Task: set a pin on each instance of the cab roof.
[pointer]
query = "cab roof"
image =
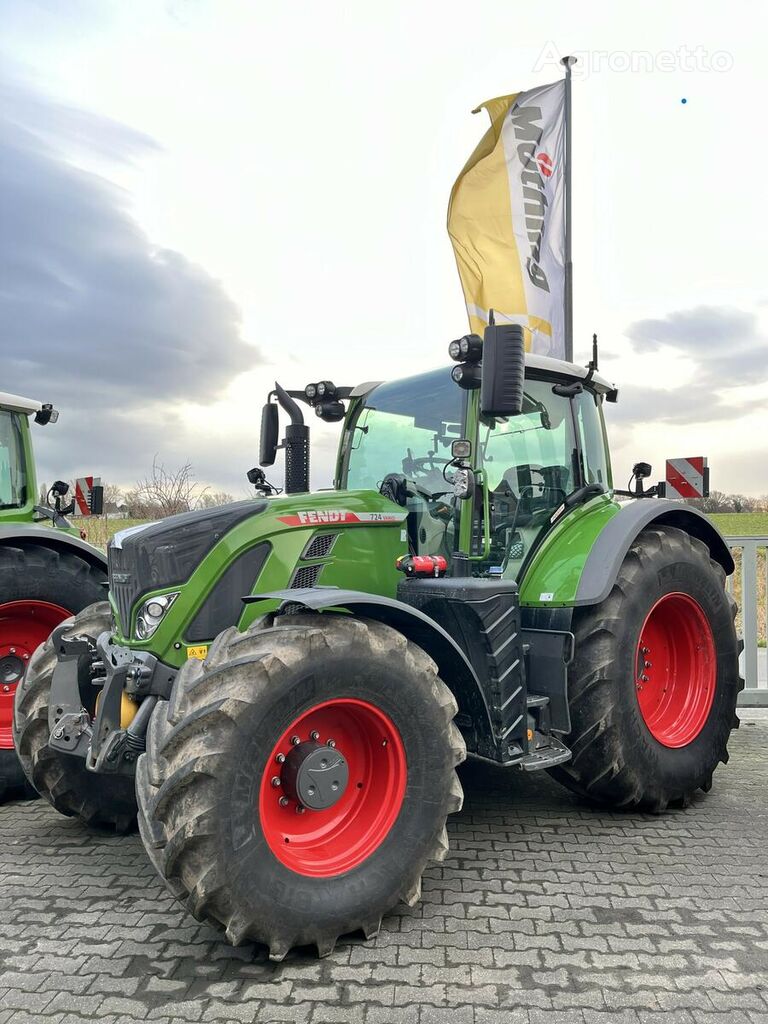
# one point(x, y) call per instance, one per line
point(18, 404)
point(560, 366)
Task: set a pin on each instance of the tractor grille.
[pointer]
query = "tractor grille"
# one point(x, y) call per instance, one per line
point(306, 576)
point(124, 585)
point(320, 547)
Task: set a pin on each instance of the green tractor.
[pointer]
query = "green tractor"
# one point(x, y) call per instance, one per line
point(285, 686)
point(47, 572)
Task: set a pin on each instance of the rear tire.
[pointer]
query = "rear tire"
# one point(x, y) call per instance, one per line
point(39, 588)
point(649, 729)
point(101, 800)
point(209, 809)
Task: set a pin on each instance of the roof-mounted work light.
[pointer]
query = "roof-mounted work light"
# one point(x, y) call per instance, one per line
point(468, 349)
point(466, 375)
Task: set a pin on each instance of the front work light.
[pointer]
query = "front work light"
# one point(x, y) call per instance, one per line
point(466, 375)
point(461, 449)
point(152, 613)
point(310, 391)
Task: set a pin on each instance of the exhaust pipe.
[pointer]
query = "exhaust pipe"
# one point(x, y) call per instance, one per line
point(296, 445)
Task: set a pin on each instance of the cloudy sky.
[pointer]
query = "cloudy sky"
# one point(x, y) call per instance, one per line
point(199, 197)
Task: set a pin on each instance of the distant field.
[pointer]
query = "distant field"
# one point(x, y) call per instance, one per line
point(100, 530)
point(742, 524)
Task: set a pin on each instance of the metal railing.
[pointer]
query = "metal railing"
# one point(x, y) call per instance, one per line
point(749, 585)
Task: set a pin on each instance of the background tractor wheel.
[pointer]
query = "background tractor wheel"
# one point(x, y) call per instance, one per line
point(297, 784)
point(64, 781)
point(39, 588)
point(655, 678)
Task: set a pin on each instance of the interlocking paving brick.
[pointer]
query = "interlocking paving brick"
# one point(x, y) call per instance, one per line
point(547, 910)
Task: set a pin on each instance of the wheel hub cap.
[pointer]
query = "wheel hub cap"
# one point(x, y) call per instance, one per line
point(315, 775)
point(11, 669)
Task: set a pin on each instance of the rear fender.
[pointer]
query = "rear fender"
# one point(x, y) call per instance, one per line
point(615, 539)
point(57, 540)
point(474, 717)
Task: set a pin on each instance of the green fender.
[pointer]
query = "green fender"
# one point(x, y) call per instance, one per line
point(578, 561)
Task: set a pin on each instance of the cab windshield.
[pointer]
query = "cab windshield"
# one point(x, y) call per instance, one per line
point(13, 477)
point(406, 427)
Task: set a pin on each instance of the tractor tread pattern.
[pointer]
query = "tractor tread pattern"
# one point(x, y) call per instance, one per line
point(176, 777)
point(595, 706)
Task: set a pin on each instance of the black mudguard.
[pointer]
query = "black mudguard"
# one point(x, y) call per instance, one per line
point(454, 667)
point(604, 561)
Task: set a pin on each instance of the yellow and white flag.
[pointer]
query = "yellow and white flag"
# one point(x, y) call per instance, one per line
point(506, 219)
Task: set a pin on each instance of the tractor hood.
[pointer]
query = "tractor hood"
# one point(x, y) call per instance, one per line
point(211, 558)
point(166, 553)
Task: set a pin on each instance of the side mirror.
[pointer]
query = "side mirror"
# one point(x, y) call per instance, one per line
point(96, 502)
point(503, 373)
point(270, 426)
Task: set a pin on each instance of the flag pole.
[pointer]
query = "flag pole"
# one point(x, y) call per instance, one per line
point(568, 320)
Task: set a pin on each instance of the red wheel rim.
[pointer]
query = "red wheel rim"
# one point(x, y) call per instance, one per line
point(329, 841)
point(24, 625)
point(676, 670)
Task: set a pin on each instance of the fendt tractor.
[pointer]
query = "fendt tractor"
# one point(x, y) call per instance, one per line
point(286, 685)
point(47, 572)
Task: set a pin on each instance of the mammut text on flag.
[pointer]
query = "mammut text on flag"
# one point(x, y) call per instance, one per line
point(506, 219)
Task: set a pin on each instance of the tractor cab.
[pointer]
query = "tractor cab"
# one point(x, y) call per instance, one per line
point(17, 477)
point(524, 467)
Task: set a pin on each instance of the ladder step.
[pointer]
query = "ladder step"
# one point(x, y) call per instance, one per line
point(537, 700)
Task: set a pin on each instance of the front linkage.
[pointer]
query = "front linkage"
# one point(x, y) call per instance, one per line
point(121, 684)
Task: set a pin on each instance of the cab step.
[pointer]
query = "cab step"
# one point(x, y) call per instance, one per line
point(550, 753)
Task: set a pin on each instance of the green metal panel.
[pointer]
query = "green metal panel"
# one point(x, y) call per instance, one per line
point(551, 579)
point(362, 558)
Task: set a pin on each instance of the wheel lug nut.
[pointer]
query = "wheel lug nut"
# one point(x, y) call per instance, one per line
point(648, 664)
point(314, 735)
point(383, 743)
point(644, 678)
point(284, 801)
point(295, 741)
point(280, 758)
point(331, 743)
point(275, 781)
point(299, 809)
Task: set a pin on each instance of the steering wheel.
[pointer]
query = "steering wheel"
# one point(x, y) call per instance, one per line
point(423, 464)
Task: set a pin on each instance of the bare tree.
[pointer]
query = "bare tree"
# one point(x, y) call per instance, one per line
point(113, 495)
point(210, 499)
point(165, 492)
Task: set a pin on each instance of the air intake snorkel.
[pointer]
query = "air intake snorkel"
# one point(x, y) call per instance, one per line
point(296, 444)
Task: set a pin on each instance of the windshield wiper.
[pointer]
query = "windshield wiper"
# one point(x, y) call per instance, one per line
point(577, 497)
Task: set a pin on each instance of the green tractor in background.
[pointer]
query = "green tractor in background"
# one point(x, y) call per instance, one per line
point(47, 572)
point(288, 684)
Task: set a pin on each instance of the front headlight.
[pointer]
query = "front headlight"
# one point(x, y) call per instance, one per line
point(152, 613)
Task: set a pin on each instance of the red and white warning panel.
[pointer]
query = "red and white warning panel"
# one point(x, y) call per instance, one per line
point(687, 478)
point(84, 494)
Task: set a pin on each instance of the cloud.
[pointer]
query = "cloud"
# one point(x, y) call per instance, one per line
point(92, 314)
point(727, 351)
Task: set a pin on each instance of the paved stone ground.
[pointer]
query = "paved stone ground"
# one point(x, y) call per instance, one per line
point(546, 910)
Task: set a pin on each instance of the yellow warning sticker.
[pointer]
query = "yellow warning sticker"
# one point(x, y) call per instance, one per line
point(200, 652)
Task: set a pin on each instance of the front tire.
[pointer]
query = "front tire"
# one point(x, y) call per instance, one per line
point(655, 679)
point(102, 800)
point(297, 783)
